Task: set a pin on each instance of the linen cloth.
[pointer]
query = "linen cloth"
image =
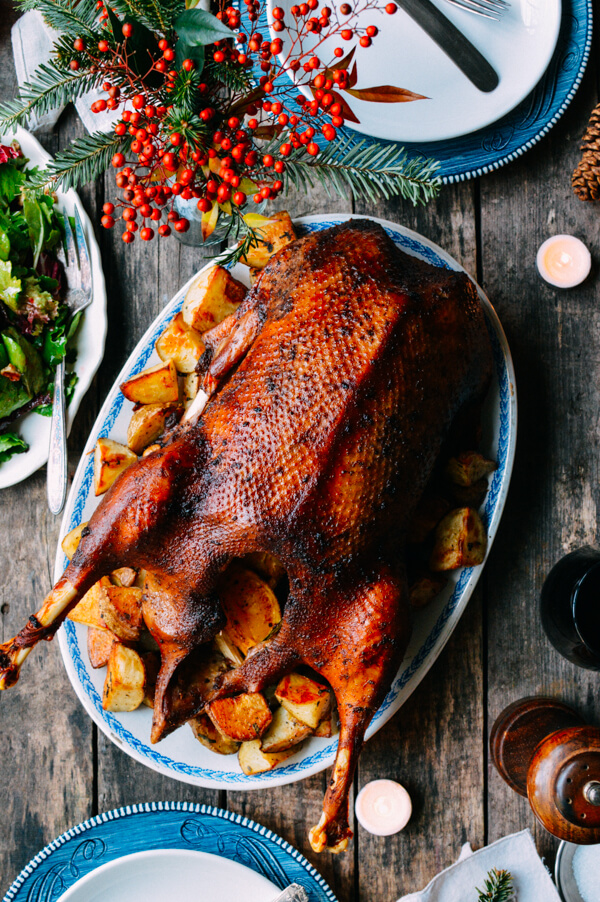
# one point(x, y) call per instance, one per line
point(515, 853)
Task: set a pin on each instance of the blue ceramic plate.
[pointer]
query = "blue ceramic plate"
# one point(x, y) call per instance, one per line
point(164, 825)
point(180, 755)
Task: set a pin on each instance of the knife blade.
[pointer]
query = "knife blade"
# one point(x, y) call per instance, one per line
point(453, 42)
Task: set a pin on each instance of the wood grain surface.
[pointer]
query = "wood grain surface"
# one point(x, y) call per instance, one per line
point(56, 769)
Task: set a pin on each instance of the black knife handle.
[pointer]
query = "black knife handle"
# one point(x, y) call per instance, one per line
point(453, 42)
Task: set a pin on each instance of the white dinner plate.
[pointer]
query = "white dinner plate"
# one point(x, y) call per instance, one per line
point(186, 876)
point(180, 755)
point(35, 429)
point(519, 47)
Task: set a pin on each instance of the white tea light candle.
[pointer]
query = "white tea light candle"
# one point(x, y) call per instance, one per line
point(564, 261)
point(383, 807)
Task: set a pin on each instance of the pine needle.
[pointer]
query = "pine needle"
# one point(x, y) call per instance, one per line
point(76, 18)
point(50, 87)
point(83, 161)
point(498, 887)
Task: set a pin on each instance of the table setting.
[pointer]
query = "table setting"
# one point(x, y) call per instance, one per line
point(416, 175)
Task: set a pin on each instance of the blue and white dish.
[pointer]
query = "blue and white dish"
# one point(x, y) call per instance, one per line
point(180, 755)
point(121, 847)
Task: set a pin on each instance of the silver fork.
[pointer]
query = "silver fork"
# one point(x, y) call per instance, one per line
point(491, 9)
point(79, 296)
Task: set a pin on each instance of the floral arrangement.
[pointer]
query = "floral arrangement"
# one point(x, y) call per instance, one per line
point(208, 108)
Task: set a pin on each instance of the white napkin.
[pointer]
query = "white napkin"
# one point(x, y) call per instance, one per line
point(515, 853)
point(32, 42)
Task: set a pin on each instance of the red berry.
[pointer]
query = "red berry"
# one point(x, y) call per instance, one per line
point(329, 133)
point(313, 149)
point(268, 87)
point(150, 111)
point(129, 214)
point(127, 237)
point(267, 160)
point(176, 188)
point(265, 192)
point(139, 101)
point(285, 150)
point(257, 198)
point(205, 205)
point(338, 121)
point(277, 185)
point(155, 215)
point(145, 211)
point(365, 41)
point(79, 44)
point(182, 225)
point(175, 139)
point(188, 65)
point(102, 46)
point(164, 230)
point(233, 122)
point(278, 13)
point(391, 8)
point(169, 54)
point(239, 198)
point(372, 31)
point(279, 166)
point(346, 34)
point(132, 226)
point(98, 106)
point(170, 161)
point(74, 65)
point(147, 234)
point(186, 176)
point(118, 160)
point(223, 193)
point(218, 57)
point(136, 146)
point(211, 186)
point(108, 222)
point(252, 124)
point(127, 30)
point(160, 66)
point(207, 114)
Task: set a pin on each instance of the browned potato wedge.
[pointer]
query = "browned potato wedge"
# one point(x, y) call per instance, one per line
point(156, 385)
point(71, 541)
point(254, 761)
point(191, 384)
point(124, 576)
point(121, 611)
point(205, 732)
point(147, 423)
point(425, 589)
point(329, 725)
point(304, 699)
point(151, 661)
point(242, 717)
point(469, 467)
point(125, 678)
point(275, 234)
point(87, 610)
point(284, 732)
point(110, 459)
point(230, 651)
point(460, 541)
point(251, 608)
point(181, 345)
point(211, 298)
point(99, 644)
point(266, 565)
point(428, 514)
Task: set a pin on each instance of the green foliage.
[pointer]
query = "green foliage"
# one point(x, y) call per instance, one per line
point(11, 180)
point(75, 18)
point(157, 15)
point(196, 29)
point(238, 80)
point(368, 171)
point(498, 887)
point(83, 161)
point(11, 443)
point(50, 87)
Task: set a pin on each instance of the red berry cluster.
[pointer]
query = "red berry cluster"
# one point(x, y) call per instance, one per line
point(219, 160)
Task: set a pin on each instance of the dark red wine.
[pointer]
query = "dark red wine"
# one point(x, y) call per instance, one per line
point(570, 607)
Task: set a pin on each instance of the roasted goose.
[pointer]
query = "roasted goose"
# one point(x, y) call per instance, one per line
point(332, 390)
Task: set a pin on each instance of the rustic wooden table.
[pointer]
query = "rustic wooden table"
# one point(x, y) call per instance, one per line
point(57, 769)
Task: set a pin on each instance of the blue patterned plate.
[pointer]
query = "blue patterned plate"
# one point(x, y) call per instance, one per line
point(180, 755)
point(166, 826)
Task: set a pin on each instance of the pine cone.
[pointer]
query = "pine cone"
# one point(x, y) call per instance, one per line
point(586, 177)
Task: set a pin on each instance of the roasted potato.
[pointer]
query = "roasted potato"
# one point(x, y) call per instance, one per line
point(181, 345)
point(228, 649)
point(425, 588)
point(254, 761)
point(191, 384)
point(304, 699)
point(469, 467)
point(121, 611)
point(211, 298)
point(460, 541)
point(329, 726)
point(87, 610)
point(124, 576)
point(71, 541)
point(242, 717)
point(125, 678)
point(205, 732)
point(99, 644)
point(147, 423)
point(275, 233)
point(284, 732)
point(251, 608)
point(266, 565)
point(156, 385)
point(110, 459)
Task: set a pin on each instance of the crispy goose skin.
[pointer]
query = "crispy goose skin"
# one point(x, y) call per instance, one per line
point(332, 389)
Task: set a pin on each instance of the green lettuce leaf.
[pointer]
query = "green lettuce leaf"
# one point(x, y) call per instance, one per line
point(11, 180)
point(10, 444)
point(10, 288)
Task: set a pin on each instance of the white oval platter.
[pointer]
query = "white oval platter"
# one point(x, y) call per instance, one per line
point(91, 335)
point(519, 47)
point(180, 755)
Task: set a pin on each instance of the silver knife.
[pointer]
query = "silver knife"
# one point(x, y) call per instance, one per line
point(453, 42)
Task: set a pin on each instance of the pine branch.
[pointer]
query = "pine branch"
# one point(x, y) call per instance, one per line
point(157, 15)
point(368, 171)
point(83, 161)
point(498, 887)
point(50, 87)
point(228, 74)
point(76, 18)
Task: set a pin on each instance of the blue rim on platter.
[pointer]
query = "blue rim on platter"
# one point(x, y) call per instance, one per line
point(430, 633)
point(163, 825)
point(483, 151)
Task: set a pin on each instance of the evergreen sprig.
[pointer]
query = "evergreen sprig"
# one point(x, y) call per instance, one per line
point(51, 86)
point(368, 171)
point(83, 161)
point(498, 887)
point(158, 15)
point(238, 80)
point(76, 18)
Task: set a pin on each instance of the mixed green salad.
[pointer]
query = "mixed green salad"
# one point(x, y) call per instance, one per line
point(35, 323)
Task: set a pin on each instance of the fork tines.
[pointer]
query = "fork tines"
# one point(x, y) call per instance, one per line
point(491, 9)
